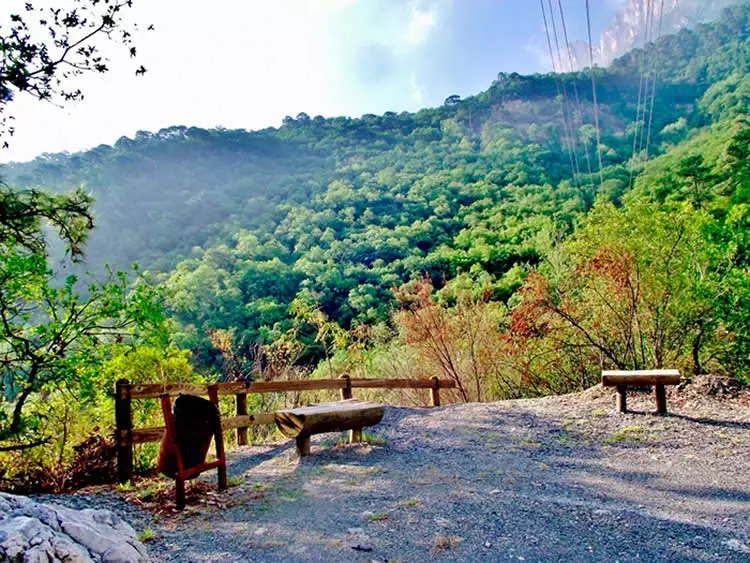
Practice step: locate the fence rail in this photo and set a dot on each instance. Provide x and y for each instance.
(125, 393)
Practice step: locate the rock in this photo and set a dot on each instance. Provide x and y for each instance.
(123, 553)
(67, 550)
(34, 532)
(736, 545)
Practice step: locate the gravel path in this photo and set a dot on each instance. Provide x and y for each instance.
(554, 479)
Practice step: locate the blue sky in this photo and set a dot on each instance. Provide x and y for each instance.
(249, 63)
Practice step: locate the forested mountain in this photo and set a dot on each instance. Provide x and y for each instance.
(640, 20)
(253, 229)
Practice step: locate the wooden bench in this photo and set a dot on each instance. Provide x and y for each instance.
(641, 378)
(349, 414)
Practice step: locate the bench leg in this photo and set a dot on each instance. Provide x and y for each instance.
(622, 398)
(303, 445)
(355, 436)
(661, 398)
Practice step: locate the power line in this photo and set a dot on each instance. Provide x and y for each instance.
(656, 75)
(647, 57)
(593, 88)
(637, 128)
(638, 108)
(557, 85)
(567, 113)
(575, 91)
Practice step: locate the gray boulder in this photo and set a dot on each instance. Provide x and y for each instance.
(31, 532)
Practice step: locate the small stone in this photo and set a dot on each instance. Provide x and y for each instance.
(36, 555)
(260, 531)
(488, 544)
(736, 545)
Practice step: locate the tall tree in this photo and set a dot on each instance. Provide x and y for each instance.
(43, 49)
(22, 213)
(49, 334)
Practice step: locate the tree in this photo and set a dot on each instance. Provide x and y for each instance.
(328, 335)
(452, 100)
(738, 152)
(44, 48)
(698, 177)
(640, 287)
(23, 211)
(236, 366)
(48, 333)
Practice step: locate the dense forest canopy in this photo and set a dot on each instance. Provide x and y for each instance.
(481, 229)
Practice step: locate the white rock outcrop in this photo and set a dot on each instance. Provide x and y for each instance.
(31, 532)
(632, 24)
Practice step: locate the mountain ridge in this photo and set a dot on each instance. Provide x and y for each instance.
(633, 25)
(240, 222)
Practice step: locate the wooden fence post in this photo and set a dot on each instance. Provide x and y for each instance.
(435, 392)
(346, 392)
(213, 396)
(241, 401)
(124, 431)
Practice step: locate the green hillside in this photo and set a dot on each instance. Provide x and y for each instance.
(250, 228)
(479, 241)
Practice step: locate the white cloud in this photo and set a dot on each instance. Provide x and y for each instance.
(417, 97)
(331, 6)
(242, 65)
(420, 25)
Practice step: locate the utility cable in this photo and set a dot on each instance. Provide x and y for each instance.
(557, 85)
(656, 76)
(641, 98)
(648, 56)
(593, 88)
(567, 112)
(575, 92)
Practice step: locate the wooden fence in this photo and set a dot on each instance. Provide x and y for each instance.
(125, 393)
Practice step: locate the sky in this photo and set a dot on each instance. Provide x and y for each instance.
(248, 63)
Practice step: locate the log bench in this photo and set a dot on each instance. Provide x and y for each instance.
(350, 414)
(641, 378)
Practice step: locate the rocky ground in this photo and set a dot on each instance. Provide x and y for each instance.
(555, 479)
(36, 532)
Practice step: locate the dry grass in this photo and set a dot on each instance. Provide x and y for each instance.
(443, 543)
